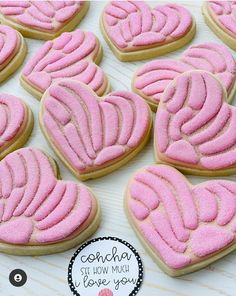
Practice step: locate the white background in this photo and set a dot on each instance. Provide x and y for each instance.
(47, 275)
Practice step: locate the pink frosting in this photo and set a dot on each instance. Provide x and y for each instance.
(91, 133)
(9, 45)
(133, 24)
(35, 206)
(105, 292)
(12, 117)
(69, 56)
(41, 15)
(188, 220)
(209, 239)
(223, 13)
(198, 127)
(153, 77)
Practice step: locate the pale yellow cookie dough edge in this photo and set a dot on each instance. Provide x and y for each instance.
(75, 239)
(35, 34)
(226, 38)
(108, 168)
(153, 254)
(148, 53)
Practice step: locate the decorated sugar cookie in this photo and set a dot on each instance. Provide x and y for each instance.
(195, 127)
(40, 214)
(12, 51)
(135, 31)
(42, 19)
(16, 123)
(220, 17)
(183, 227)
(151, 79)
(72, 55)
(93, 136)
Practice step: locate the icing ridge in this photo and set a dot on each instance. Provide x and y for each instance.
(187, 222)
(35, 207)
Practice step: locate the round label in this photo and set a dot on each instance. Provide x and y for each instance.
(106, 266)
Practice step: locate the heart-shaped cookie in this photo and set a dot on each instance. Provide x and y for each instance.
(134, 31)
(42, 19)
(38, 213)
(184, 227)
(152, 78)
(220, 17)
(92, 135)
(72, 55)
(16, 123)
(195, 128)
(12, 51)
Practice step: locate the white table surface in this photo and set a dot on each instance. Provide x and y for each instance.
(47, 275)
